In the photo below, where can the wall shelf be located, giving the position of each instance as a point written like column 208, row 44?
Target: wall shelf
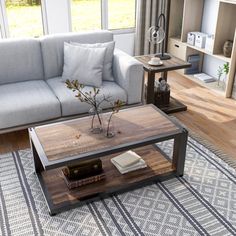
column 213, row 86
column 203, row 50
column 192, row 13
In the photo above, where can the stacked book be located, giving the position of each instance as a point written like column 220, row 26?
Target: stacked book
column 84, row 173
column 128, row 161
column 204, row 78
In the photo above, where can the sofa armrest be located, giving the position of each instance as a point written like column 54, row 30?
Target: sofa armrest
column 128, row 73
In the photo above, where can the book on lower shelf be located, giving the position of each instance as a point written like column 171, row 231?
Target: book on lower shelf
column 204, row 77
column 128, row 161
column 71, row 184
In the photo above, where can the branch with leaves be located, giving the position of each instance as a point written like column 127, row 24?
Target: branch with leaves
column 116, row 107
column 91, row 98
column 222, row 70
column 219, row 73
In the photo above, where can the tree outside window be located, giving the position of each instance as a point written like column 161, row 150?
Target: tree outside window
column 24, row 18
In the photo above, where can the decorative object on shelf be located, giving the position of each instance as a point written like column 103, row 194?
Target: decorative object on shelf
column 200, row 39
column 222, row 70
column 162, row 93
column 219, row 74
column 110, row 130
column 156, row 35
column 71, row 184
column 191, row 38
column 209, row 43
column 83, row 169
column 227, row 49
column 226, row 71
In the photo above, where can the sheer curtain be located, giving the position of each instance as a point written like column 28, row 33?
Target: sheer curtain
column 147, row 12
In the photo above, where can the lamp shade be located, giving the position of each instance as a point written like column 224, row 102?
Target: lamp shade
column 155, row 34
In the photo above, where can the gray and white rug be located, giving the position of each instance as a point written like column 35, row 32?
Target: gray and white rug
column 203, row 202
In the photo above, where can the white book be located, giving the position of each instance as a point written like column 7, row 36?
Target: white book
column 140, row 165
column 126, row 159
column 204, row 77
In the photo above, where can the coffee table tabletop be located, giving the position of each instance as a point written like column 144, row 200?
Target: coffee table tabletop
column 71, row 140
column 56, row 145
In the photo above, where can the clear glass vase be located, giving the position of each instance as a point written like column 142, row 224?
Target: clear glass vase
column 96, row 120
column 109, row 127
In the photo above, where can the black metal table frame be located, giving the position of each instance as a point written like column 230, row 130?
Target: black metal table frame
column 41, row 163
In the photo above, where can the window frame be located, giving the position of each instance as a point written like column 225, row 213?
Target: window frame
column 3, row 20
column 4, row 26
column 106, row 19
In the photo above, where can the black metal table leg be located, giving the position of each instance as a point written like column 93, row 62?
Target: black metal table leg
column 179, row 152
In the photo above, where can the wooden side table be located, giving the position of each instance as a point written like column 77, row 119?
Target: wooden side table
column 168, row 65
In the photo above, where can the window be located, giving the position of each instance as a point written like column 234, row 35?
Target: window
column 85, row 14
column 121, row 14
column 24, row 18
column 114, row 14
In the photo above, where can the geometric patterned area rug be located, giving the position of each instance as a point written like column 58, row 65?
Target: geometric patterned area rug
column 202, row 202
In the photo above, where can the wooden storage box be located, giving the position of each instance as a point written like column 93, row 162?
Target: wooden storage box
column 162, row 98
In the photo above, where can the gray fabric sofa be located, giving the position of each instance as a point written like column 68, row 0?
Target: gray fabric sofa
column 32, row 90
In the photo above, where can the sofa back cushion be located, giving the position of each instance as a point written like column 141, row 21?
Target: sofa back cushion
column 53, row 48
column 107, row 67
column 21, row 60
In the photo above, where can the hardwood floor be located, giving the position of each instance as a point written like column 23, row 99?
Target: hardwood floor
column 14, row 141
column 209, row 115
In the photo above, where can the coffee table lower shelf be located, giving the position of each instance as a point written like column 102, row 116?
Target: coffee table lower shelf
column 59, row 198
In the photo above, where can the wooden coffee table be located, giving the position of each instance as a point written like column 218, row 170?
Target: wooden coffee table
column 57, row 145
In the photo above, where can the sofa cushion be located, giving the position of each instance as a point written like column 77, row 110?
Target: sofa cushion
column 72, row 106
column 83, row 64
column 27, row 102
column 53, row 45
column 107, row 68
column 21, row 60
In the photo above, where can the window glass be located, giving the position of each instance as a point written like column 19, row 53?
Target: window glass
column 24, row 18
column 121, row 14
column 86, row 14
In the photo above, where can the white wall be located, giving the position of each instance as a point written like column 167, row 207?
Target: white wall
column 209, row 20
column 209, row 17
column 57, row 16
column 125, row 42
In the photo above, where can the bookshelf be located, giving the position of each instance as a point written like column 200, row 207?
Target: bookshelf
column 186, row 16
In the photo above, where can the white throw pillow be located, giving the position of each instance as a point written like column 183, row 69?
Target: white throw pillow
column 107, row 68
column 83, row 64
